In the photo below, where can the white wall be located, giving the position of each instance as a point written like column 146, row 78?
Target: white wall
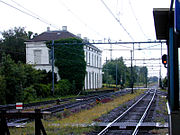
column 31, row 47
column 93, row 58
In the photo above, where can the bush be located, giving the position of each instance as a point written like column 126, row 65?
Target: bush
column 29, row 94
column 63, row 88
column 2, row 90
column 42, row 90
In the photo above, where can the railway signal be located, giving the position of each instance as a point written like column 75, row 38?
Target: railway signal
column 164, row 60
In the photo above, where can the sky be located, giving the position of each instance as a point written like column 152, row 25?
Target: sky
column 105, row 20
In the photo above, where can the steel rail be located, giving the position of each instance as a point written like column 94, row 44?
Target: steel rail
column 136, row 130
column 59, row 108
column 109, row 125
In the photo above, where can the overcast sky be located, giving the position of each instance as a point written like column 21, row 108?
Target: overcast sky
column 116, row 20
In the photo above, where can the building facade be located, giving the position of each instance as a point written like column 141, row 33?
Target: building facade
column 39, row 55
column 93, row 58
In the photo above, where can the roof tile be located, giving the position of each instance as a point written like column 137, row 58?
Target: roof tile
column 52, row 35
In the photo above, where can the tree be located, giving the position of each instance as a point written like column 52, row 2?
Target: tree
column 124, row 76
column 69, row 59
column 17, row 80
column 153, row 79
column 165, row 82
column 2, row 90
column 47, row 77
column 13, row 43
column 8, row 71
column 109, row 69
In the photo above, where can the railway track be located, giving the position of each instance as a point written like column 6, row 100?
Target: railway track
column 132, row 120
column 11, row 107
column 84, row 100
column 80, row 101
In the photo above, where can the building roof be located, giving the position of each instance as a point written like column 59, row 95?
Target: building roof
column 161, row 21
column 56, row 35
column 52, row 35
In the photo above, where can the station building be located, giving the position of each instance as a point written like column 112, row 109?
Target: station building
column 39, row 55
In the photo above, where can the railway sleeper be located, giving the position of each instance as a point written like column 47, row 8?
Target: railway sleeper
column 132, row 125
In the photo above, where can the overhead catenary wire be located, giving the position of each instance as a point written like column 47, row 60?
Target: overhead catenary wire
column 31, row 14
column 117, row 20
column 79, row 19
column 137, row 20
column 52, row 25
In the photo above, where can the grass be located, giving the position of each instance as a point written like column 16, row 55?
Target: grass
column 76, row 123
column 164, row 90
column 159, row 131
column 51, row 98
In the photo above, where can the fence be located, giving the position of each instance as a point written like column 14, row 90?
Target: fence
column 37, row 115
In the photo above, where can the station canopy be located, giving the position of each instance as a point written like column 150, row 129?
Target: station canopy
column 161, row 21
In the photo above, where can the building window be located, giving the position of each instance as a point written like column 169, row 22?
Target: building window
column 50, row 59
column 86, row 57
column 92, row 60
column 37, row 56
column 97, row 62
column 95, row 81
column 89, row 80
column 87, row 85
column 92, row 80
column 89, row 58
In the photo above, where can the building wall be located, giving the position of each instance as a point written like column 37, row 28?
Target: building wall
column 93, row 57
column 38, row 54
column 32, row 47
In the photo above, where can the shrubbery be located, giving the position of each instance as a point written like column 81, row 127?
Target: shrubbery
column 69, row 59
column 42, row 90
column 23, row 83
column 2, row 90
column 29, row 94
column 63, row 88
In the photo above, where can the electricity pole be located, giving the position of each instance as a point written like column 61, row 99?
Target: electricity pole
column 52, row 51
column 116, row 75
column 131, row 75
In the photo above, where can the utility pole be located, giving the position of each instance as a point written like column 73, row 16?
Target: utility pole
column 131, row 75
column 146, row 77
column 116, row 75
column 160, row 80
column 52, row 54
column 110, row 52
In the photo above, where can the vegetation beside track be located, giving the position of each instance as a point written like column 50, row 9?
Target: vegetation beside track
column 77, row 123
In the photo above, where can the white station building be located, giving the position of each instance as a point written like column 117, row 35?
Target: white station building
column 39, row 55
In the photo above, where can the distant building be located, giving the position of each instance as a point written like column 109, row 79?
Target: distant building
column 39, row 55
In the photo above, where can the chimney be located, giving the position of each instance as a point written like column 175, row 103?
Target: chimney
column 48, row 28
column 85, row 39
column 79, row 35
column 64, row 28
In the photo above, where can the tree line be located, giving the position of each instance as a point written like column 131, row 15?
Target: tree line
column 117, row 70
